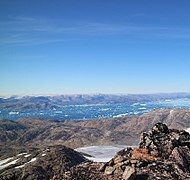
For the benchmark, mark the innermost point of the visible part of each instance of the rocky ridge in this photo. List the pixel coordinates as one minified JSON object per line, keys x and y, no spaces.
{"x":162,"y":154}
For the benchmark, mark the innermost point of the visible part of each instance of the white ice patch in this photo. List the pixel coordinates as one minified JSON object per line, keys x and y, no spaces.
{"x":143,"y":108}
{"x":5,"y":160}
{"x":120,"y":115}
{"x":101,"y":153}
{"x":58,"y":112}
{"x":135,"y":104}
{"x":21,"y":166}
{"x":171,"y":111}
{"x":27,"y":155}
{"x":13,"y":113}
{"x":188,"y":130}
{"x":21,"y":154}
{"x":105,"y":109}
{"x":5,"y":164}
{"x":32,"y":160}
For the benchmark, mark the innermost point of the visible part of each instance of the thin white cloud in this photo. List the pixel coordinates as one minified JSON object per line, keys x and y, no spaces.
{"x":35,"y":30}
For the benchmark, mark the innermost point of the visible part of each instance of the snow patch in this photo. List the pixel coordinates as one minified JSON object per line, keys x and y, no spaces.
{"x":188,"y":130}
{"x":27,"y":155}
{"x":32,"y":160}
{"x":4,"y":165}
{"x":5,"y":160}
{"x":171,"y":111}
{"x":21,"y":154}
{"x":21,"y":166}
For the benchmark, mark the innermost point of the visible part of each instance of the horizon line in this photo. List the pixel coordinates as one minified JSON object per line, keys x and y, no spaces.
{"x":98,"y":93}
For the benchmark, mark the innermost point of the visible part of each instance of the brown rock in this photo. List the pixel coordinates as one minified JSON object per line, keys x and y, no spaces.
{"x":111,"y":162}
{"x":181,"y":155}
{"x":119,"y":159}
{"x":109,"y":170}
{"x":103,"y":167}
{"x":119,"y":165}
{"x":129,"y":173}
{"x":142,"y":153}
{"x":118,"y":171}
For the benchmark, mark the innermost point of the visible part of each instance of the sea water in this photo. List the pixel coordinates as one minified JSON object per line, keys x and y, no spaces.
{"x":95,"y":111}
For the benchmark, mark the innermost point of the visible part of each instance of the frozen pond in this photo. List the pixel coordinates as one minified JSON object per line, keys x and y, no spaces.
{"x":101,"y":153}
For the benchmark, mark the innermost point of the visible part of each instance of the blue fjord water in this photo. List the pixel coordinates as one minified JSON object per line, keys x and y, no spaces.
{"x":87,"y":112}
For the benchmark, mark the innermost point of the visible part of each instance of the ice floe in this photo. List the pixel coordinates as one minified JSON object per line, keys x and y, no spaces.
{"x":142,"y":108}
{"x":120,"y":115}
{"x":13,"y":112}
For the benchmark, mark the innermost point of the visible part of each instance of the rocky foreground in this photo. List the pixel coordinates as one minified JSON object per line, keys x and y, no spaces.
{"x":162,"y":154}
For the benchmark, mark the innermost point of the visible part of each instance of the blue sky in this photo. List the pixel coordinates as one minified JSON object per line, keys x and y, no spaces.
{"x":100,"y":46}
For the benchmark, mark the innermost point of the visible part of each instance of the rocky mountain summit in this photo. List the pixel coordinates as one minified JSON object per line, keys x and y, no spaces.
{"x":162,"y":153}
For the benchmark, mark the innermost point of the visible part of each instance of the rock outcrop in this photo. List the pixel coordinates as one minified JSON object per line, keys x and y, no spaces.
{"x":162,"y":154}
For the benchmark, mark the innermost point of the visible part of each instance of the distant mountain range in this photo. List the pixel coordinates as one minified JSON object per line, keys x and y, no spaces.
{"x":52,"y":102}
